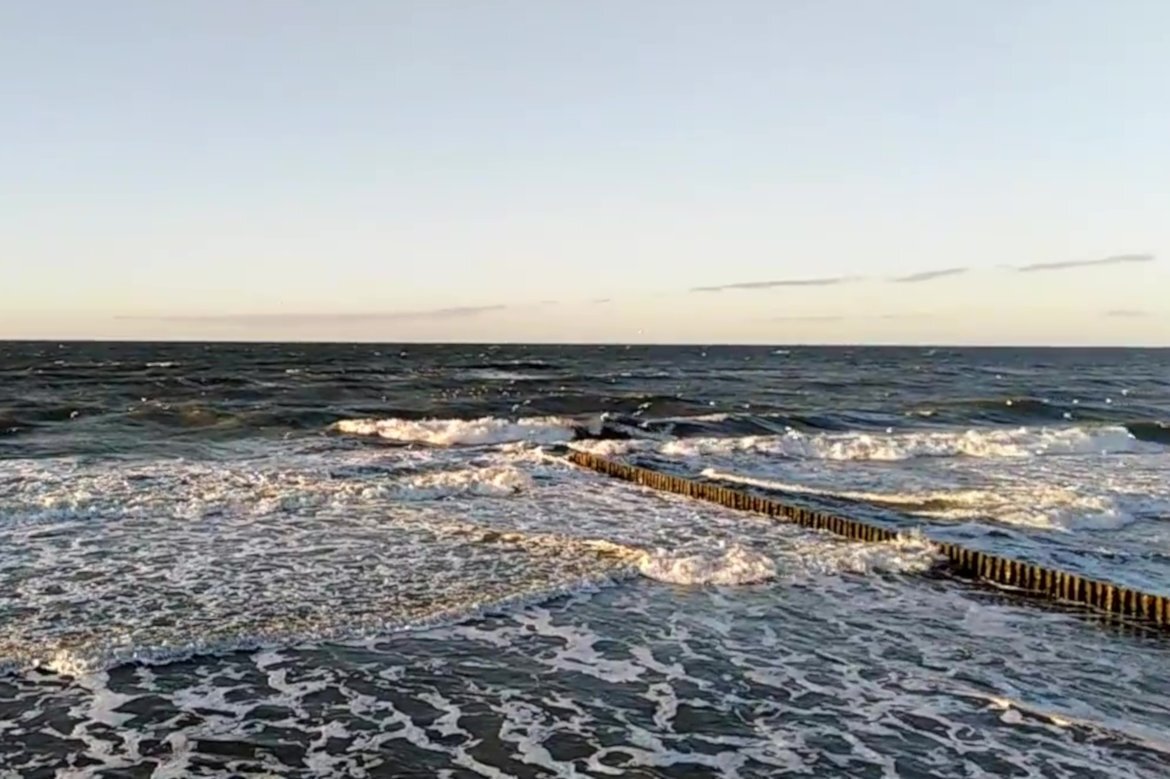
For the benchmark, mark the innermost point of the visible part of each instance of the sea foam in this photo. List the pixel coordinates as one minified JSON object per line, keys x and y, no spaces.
{"x":487,"y":482}
{"x":895,"y":446}
{"x":463,"y":432}
{"x":736,"y":565}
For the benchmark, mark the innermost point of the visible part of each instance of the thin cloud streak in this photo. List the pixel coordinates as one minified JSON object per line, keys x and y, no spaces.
{"x":826,"y":282}
{"x":1125,"y":313}
{"x":929,"y":275}
{"x":809,"y":318}
{"x":1116,"y":259}
{"x":260,"y":320}
{"x":843,"y":318}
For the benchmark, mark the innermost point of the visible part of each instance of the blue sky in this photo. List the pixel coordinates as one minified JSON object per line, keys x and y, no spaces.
{"x":380,"y":170}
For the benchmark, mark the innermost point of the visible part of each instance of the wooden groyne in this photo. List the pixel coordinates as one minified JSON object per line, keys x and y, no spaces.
{"x":972,"y":564}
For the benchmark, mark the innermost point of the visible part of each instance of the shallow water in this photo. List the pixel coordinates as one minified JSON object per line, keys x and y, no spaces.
{"x":359,"y":560}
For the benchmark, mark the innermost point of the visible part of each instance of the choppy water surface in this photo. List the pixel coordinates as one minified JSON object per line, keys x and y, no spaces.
{"x":369,"y":561}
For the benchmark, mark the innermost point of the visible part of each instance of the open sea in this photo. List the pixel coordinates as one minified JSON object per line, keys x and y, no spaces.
{"x":370,"y":561}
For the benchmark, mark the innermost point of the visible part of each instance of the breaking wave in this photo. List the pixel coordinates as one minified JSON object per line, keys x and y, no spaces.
{"x":489,"y":482}
{"x":465,"y":432}
{"x":1028,"y":505}
{"x":737,"y":565}
{"x":896,"y":446}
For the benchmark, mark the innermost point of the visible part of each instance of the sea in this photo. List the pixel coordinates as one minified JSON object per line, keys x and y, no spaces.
{"x":363,"y":560}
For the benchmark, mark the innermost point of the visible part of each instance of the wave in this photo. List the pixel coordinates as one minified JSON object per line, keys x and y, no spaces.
{"x":52,"y":413}
{"x":908,"y":553}
{"x":196,"y":416}
{"x":1009,"y":410}
{"x":466,"y":432}
{"x":1106,"y":410}
{"x":719,"y":424}
{"x":896,"y":446}
{"x":516,"y":365}
{"x":183,"y":415}
{"x":737,"y":565}
{"x":1035,"y":505}
{"x":637,"y":408}
{"x":10,"y":424}
{"x":500,"y":375}
{"x":657,"y":406}
{"x":490,"y":482}
{"x":1151,"y":432}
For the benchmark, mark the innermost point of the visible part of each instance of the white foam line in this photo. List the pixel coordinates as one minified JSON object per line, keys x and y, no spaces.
{"x":463,"y":432}
{"x":1031,"y":505}
{"x":890,"y":446}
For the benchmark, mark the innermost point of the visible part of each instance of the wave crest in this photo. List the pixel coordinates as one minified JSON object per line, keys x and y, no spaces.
{"x":489,"y":482}
{"x":463,"y":432}
{"x":895,"y":446}
{"x":1030,"y":504}
{"x":1152,"y":432}
{"x":736,"y":565}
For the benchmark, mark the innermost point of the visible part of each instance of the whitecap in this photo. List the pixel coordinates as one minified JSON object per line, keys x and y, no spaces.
{"x":1026,"y":503}
{"x":735,"y":565}
{"x":490,"y":482}
{"x":465,"y":432}
{"x":891,"y":446}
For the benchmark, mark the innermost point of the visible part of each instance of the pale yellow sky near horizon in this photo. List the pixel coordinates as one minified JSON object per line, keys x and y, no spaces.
{"x":996,"y":306}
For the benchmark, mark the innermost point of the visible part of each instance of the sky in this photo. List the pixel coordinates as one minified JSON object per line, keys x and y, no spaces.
{"x":747,"y":171}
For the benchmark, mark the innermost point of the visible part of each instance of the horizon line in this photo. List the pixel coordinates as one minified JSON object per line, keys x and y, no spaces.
{"x":628,"y":344}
